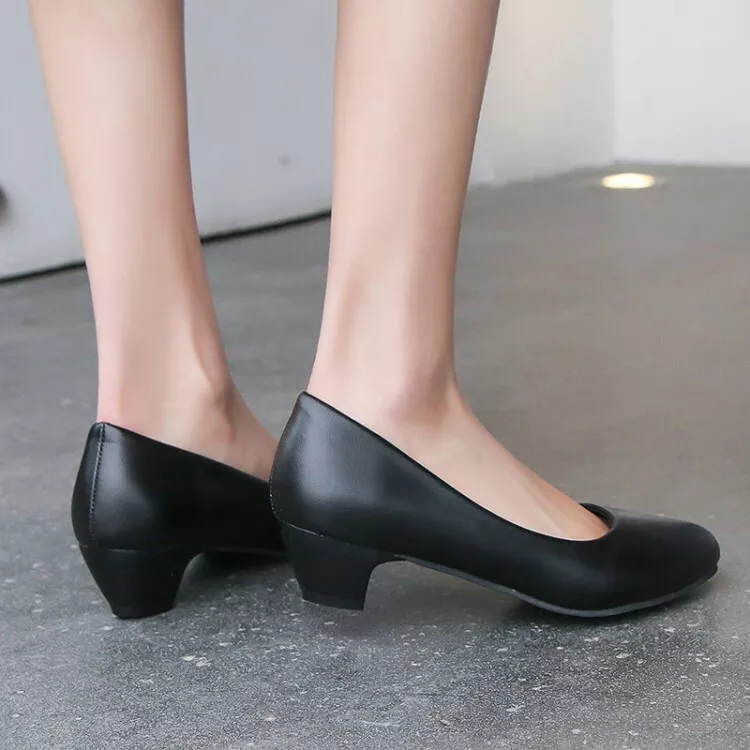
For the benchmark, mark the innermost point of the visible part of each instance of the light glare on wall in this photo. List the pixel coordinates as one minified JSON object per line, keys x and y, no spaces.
{"x":628,"y":181}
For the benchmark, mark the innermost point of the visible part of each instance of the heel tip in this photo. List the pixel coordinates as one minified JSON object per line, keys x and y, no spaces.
{"x":329,"y":600}
{"x":137,"y":583}
{"x":137,"y":613}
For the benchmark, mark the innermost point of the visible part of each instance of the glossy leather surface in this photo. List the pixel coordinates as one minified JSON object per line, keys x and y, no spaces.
{"x":135,"y":493}
{"x":336,"y":478}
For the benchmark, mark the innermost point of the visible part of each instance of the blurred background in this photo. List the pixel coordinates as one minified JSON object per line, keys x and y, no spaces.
{"x":580,"y":83}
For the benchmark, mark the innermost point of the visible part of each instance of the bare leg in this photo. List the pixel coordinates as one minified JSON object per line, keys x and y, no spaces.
{"x":410,"y":78}
{"x":116,"y":77}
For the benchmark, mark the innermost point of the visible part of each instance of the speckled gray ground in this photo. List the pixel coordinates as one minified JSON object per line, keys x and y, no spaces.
{"x":603,"y":337}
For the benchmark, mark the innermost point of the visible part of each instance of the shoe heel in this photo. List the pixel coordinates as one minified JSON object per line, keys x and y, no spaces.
{"x":328,"y":571}
{"x":137,"y":583}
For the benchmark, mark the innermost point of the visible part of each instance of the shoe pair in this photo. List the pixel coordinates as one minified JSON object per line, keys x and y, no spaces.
{"x":345,"y":500}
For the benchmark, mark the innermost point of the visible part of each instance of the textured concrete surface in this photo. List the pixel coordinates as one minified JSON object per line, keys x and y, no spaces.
{"x":602,"y":336}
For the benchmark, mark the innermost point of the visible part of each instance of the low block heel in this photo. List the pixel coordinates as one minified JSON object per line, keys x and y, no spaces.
{"x":330,"y":572}
{"x":137,"y":583}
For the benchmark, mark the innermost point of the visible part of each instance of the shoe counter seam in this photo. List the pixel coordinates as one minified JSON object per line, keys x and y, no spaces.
{"x":94,"y":483}
{"x":272,"y":478}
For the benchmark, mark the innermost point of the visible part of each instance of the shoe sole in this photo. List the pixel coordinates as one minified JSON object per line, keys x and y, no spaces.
{"x":585,"y":613}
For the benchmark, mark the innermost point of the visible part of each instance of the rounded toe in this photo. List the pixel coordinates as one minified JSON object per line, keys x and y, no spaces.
{"x":691,"y":555}
{"x":706,"y":551}
{"x":656,"y":559}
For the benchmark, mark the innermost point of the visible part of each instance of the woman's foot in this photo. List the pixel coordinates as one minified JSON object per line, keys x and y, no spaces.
{"x":448,"y":439}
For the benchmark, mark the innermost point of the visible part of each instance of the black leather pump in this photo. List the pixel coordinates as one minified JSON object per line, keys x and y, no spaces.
{"x":349,"y":500}
{"x":142,"y":510}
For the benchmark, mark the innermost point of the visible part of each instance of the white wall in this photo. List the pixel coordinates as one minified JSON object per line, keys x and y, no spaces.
{"x":260,"y":109}
{"x":549,"y":102}
{"x":682,"y":81}
{"x":260,"y":80}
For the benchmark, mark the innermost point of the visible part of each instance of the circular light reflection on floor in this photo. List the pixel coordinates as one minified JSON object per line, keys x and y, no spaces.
{"x":628,"y":181}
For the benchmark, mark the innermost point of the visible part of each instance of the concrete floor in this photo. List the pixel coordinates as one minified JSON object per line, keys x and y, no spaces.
{"x":602,"y":336}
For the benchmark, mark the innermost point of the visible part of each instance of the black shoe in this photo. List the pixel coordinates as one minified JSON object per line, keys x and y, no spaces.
{"x":348,"y":500}
{"x":142,"y":510}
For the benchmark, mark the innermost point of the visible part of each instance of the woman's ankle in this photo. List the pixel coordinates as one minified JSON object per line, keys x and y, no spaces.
{"x":158,"y":400}
{"x":210,"y":419}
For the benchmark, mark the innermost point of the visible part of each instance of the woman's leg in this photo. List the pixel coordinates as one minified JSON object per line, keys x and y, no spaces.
{"x":410,"y":75}
{"x":116,"y":77}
